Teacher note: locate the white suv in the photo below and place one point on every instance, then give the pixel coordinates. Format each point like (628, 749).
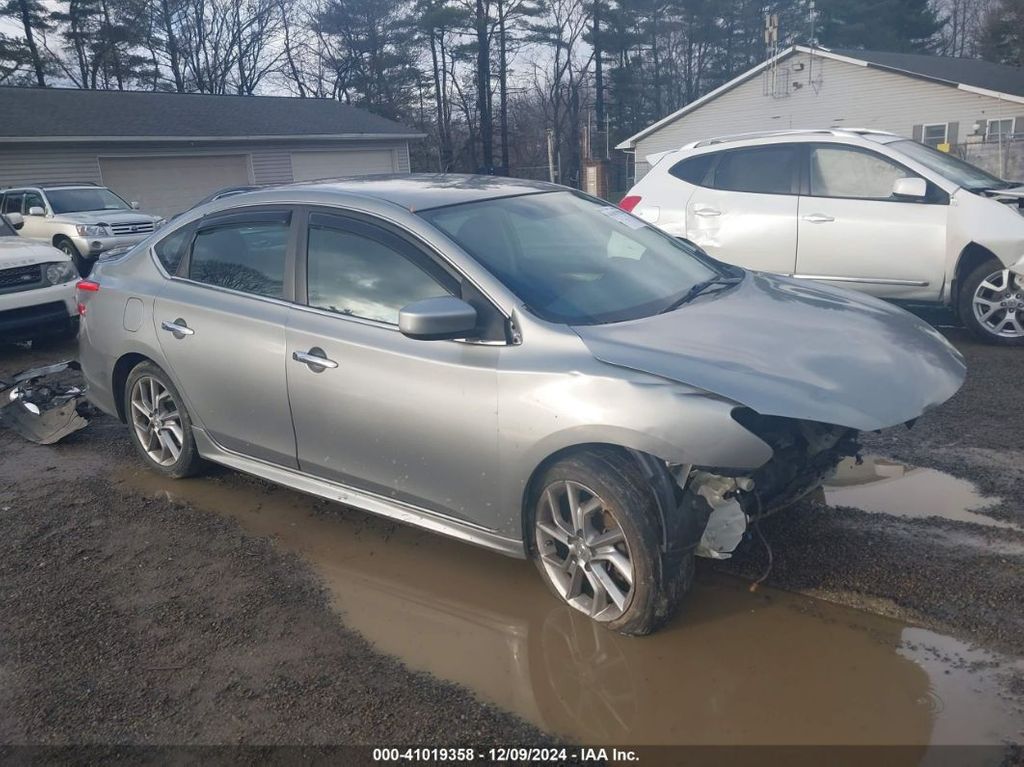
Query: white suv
(83, 220)
(856, 208)
(37, 287)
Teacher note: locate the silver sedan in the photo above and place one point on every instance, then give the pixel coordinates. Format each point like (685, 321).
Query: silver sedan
(514, 364)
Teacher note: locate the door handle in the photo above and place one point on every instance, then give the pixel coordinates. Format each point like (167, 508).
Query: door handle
(316, 359)
(705, 210)
(818, 218)
(178, 327)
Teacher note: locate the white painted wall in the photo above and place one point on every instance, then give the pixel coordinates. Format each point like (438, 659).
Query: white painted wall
(848, 95)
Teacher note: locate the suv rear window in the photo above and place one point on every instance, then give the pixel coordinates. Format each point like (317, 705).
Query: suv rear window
(762, 170)
(694, 170)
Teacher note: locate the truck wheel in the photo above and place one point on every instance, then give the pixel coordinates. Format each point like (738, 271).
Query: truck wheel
(160, 427)
(991, 304)
(595, 540)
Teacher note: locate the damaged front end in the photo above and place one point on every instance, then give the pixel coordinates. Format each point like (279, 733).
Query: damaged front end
(44, 405)
(805, 454)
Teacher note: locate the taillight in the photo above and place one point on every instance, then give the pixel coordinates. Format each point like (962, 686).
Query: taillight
(85, 286)
(629, 202)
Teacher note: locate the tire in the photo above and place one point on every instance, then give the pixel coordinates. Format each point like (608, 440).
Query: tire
(991, 286)
(81, 264)
(164, 448)
(619, 547)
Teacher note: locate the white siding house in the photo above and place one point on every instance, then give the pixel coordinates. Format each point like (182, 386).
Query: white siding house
(805, 88)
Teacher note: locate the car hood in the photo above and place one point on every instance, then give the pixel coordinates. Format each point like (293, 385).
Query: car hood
(17, 251)
(106, 217)
(790, 348)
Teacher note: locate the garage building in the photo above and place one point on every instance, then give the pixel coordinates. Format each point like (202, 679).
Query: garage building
(169, 150)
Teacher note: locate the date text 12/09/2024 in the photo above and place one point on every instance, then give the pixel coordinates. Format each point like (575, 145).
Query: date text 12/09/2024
(499, 754)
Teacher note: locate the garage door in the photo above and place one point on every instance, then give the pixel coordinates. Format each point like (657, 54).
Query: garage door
(308, 166)
(169, 185)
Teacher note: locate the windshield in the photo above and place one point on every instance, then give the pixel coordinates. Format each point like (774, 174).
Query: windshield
(573, 260)
(6, 230)
(76, 200)
(952, 168)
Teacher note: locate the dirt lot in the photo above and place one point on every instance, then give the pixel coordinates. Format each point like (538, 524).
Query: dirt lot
(225, 610)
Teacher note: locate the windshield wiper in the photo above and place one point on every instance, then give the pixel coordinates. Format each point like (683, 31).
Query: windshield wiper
(717, 281)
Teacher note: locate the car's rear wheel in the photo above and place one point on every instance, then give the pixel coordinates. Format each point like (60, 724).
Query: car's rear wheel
(595, 541)
(81, 264)
(992, 304)
(161, 429)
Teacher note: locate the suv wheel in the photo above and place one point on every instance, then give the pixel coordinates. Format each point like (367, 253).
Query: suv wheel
(67, 246)
(992, 304)
(161, 429)
(595, 541)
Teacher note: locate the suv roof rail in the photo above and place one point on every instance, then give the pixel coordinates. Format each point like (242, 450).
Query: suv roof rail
(792, 132)
(55, 184)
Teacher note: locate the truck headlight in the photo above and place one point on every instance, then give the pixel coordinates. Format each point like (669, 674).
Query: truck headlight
(91, 230)
(61, 272)
(159, 222)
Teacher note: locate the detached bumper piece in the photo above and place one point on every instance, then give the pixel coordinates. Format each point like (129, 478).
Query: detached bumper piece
(42, 405)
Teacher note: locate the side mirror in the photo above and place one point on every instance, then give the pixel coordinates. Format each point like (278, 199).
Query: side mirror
(16, 220)
(35, 210)
(437, 319)
(909, 187)
(134, 204)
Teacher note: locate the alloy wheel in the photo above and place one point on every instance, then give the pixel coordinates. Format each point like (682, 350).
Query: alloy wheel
(583, 550)
(998, 304)
(157, 421)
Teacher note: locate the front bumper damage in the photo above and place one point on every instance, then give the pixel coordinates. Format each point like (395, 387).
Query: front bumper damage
(44, 405)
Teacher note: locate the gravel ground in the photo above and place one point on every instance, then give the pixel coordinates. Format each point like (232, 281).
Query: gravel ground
(131, 620)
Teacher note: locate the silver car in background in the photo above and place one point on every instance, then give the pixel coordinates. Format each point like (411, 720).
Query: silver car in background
(510, 363)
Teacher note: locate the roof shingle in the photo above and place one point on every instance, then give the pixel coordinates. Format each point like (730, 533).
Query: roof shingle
(53, 113)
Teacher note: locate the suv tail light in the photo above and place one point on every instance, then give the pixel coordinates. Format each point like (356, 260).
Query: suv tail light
(629, 202)
(85, 286)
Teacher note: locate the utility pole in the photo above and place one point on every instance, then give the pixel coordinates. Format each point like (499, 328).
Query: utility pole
(551, 155)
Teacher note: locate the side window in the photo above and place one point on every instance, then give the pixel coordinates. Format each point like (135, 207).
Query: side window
(33, 200)
(171, 249)
(12, 202)
(694, 170)
(352, 271)
(762, 170)
(844, 172)
(248, 256)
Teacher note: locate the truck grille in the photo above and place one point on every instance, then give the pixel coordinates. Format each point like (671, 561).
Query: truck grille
(139, 227)
(20, 278)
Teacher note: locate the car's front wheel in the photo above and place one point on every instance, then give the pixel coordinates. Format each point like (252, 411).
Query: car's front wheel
(161, 429)
(81, 264)
(992, 304)
(596, 543)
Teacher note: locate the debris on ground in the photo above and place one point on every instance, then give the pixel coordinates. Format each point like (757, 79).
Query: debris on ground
(42, 405)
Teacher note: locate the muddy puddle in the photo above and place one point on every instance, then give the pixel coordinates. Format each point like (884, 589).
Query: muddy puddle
(881, 486)
(737, 667)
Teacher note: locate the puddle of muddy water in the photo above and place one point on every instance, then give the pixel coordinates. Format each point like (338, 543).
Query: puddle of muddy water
(881, 486)
(736, 667)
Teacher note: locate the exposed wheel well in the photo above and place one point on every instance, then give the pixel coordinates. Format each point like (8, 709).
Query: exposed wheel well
(57, 238)
(662, 485)
(122, 368)
(971, 257)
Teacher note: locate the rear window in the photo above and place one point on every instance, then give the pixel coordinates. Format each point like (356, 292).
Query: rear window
(762, 170)
(694, 170)
(171, 249)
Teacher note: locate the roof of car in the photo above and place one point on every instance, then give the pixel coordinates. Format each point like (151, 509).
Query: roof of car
(54, 114)
(422, 191)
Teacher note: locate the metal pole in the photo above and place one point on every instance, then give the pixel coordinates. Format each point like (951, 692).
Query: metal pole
(551, 155)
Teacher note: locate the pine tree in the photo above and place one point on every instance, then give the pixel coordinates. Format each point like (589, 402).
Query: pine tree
(880, 25)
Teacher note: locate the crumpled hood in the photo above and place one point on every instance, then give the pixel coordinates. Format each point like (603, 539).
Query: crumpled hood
(18, 251)
(790, 348)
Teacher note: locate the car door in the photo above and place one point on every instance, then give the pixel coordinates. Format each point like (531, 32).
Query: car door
(745, 210)
(221, 325)
(410, 420)
(854, 232)
(36, 227)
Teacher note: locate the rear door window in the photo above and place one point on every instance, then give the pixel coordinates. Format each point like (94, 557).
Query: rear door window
(761, 170)
(244, 253)
(12, 202)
